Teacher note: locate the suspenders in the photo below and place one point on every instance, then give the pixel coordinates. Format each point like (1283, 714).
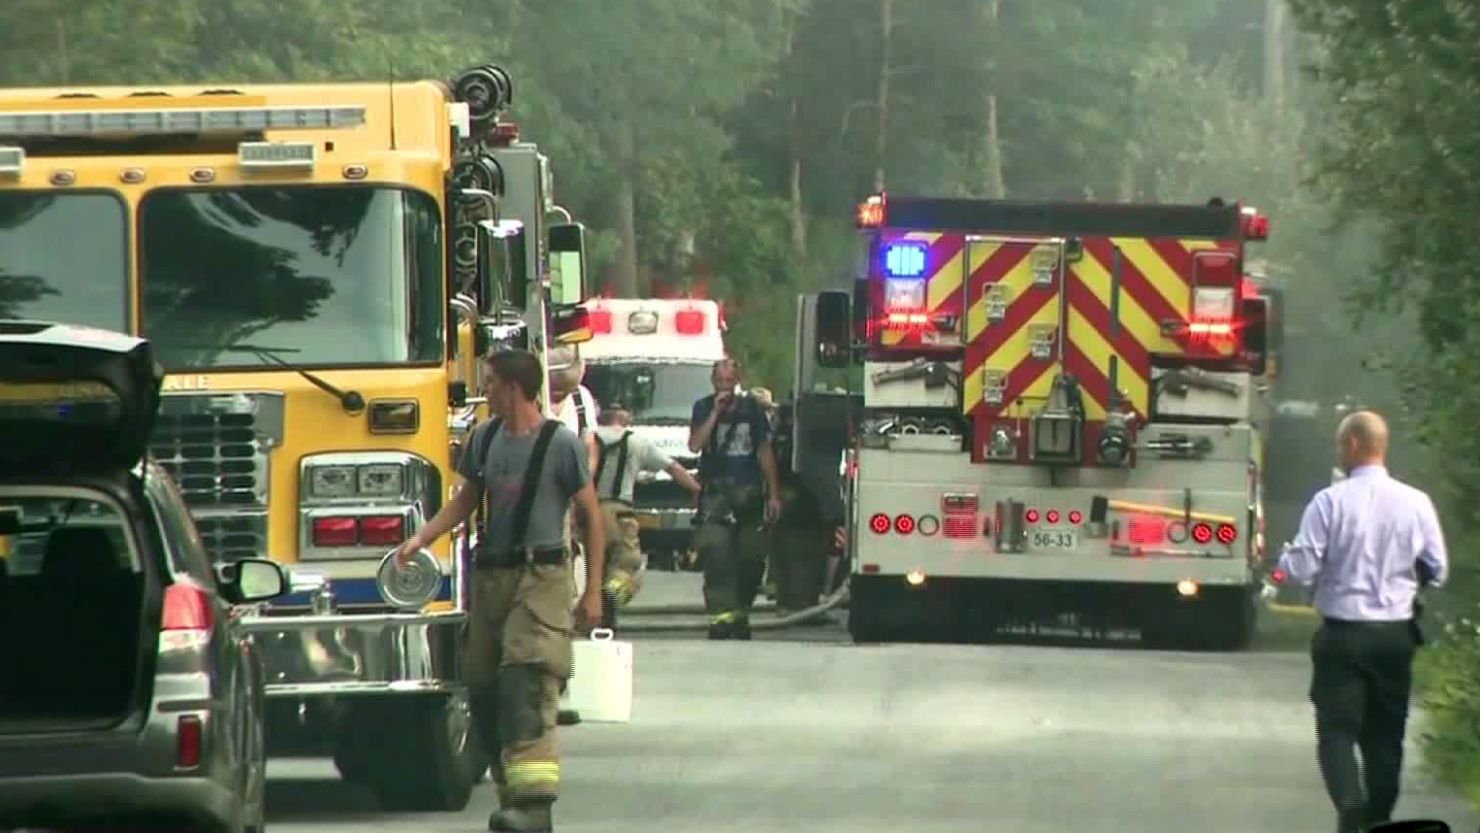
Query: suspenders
(601, 457)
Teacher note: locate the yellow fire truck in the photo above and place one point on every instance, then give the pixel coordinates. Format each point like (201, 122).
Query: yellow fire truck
(318, 267)
(1061, 421)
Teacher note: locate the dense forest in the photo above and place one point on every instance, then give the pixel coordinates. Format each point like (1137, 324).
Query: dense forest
(721, 147)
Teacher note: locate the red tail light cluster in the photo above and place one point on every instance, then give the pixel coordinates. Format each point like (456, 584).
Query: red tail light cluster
(1227, 533)
(880, 523)
(368, 530)
(904, 524)
(1202, 533)
(187, 607)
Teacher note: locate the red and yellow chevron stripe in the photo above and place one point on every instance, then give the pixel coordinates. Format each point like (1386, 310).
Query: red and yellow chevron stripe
(1156, 286)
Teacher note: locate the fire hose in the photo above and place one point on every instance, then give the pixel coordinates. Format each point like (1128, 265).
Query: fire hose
(625, 623)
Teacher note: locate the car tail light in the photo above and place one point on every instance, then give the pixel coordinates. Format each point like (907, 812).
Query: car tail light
(382, 530)
(879, 523)
(689, 322)
(1075, 516)
(187, 607)
(189, 736)
(1052, 516)
(904, 524)
(335, 532)
(1202, 533)
(1227, 533)
(1031, 516)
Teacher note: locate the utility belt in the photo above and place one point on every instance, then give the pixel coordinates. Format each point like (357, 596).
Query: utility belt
(623, 508)
(544, 556)
(731, 503)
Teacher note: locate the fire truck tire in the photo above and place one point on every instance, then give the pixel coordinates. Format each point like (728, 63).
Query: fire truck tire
(426, 755)
(1231, 620)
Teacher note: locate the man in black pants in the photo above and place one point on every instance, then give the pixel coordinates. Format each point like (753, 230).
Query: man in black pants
(1367, 543)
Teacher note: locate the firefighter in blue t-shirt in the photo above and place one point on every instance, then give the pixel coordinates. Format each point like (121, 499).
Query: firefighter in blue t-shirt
(737, 469)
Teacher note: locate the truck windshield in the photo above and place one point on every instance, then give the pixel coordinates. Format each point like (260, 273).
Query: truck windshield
(668, 398)
(64, 257)
(339, 276)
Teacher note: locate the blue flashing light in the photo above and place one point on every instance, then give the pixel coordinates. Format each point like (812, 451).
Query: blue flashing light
(905, 260)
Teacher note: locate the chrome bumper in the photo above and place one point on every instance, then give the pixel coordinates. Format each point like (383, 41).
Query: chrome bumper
(357, 654)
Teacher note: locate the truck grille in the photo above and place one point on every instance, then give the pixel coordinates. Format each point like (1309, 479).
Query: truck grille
(233, 537)
(216, 447)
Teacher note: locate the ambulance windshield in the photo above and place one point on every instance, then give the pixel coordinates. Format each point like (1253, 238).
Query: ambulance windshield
(656, 393)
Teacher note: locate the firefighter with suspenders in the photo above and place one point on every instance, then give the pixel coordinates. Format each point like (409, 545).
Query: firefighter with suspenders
(620, 456)
(526, 470)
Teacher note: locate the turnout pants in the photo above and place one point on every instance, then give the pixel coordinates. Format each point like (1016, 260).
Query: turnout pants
(1360, 683)
(516, 658)
(623, 557)
(732, 541)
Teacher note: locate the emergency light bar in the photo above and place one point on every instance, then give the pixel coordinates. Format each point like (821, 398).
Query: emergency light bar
(871, 212)
(276, 155)
(12, 160)
(1255, 225)
(642, 322)
(22, 124)
(904, 260)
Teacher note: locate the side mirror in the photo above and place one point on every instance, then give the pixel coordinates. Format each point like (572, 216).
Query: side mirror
(501, 279)
(567, 264)
(570, 325)
(1255, 317)
(253, 580)
(833, 325)
(457, 393)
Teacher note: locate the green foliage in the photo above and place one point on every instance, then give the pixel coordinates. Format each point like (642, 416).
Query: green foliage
(1448, 674)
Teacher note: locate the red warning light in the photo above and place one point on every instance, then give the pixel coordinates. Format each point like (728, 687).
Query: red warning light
(1031, 516)
(1052, 516)
(879, 523)
(1278, 576)
(1075, 516)
(1227, 533)
(904, 524)
(1202, 533)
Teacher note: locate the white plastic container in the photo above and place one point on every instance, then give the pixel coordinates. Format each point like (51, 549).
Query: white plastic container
(601, 688)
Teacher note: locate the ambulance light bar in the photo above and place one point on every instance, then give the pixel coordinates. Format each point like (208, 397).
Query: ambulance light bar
(11, 161)
(22, 124)
(256, 156)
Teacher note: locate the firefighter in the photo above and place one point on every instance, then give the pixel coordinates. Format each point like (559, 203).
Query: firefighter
(741, 496)
(621, 454)
(527, 470)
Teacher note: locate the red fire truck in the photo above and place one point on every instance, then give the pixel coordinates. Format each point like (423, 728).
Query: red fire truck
(1061, 422)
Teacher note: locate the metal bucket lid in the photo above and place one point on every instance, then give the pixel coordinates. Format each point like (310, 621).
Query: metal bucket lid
(409, 586)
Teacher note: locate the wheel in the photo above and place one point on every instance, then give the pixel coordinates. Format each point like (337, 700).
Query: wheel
(1230, 618)
(865, 618)
(426, 756)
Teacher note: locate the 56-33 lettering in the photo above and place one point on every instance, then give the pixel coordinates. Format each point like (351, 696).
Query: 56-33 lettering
(1053, 539)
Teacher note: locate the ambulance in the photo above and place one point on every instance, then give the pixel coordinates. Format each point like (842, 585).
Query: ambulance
(654, 355)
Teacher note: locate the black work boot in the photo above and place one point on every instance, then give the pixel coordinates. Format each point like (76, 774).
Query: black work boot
(740, 630)
(524, 816)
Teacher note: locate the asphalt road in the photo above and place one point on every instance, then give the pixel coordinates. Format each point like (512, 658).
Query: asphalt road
(815, 734)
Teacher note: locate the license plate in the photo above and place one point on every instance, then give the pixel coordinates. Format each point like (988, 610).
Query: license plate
(1055, 539)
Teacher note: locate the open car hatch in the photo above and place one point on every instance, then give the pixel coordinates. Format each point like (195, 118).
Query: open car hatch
(74, 398)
